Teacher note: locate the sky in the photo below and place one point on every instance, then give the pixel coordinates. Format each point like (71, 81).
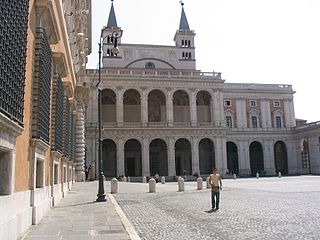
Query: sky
(248, 41)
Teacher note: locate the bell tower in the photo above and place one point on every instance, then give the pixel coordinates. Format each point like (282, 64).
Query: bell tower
(108, 33)
(184, 39)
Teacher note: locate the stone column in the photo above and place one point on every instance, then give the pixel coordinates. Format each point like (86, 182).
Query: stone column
(289, 113)
(195, 156)
(193, 108)
(294, 157)
(220, 154)
(80, 143)
(266, 113)
(268, 156)
(119, 107)
(314, 154)
(169, 107)
(144, 108)
(145, 158)
(120, 157)
(239, 113)
(244, 158)
(171, 158)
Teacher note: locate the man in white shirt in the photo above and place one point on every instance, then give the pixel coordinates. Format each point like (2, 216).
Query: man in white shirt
(216, 186)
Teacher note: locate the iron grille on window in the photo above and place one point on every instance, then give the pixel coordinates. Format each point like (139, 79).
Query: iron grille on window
(57, 114)
(13, 43)
(41, 87)
(67, 126)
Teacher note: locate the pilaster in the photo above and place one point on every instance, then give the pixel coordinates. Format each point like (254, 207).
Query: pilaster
(169, 105)
(195, 156)
(119, 107)
(145, 158)
(120, 157)
(171, 158)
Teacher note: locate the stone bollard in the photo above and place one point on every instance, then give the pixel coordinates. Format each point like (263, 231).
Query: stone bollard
(207, 182)
(144, 179)
(124, 179)
(152, 185)
(163, 180)
(199, 183)
(128, 179)
(234, 176)
(180, 184)
(257, 175)
(114, 185)
(279, 174)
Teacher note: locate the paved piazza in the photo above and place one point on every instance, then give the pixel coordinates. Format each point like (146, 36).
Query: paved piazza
(265, 208)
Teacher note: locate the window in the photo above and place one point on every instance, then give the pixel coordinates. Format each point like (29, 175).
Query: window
(276, 103)
(150, 65)
(278, 122)
(6, 172)
(254, 122)
(253, 103)
(40, 174)
(64, 174)
(229, 121)
(227, 103)
(56, 174)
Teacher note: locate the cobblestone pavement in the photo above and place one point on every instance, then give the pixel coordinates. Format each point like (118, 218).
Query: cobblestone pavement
(265, 208)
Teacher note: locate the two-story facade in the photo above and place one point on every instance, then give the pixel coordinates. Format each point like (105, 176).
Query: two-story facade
(162, 115)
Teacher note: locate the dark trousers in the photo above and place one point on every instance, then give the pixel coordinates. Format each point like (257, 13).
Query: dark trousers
(215, 199)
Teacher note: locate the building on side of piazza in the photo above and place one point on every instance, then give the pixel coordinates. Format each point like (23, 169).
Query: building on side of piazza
(162, 115)
(43, 51)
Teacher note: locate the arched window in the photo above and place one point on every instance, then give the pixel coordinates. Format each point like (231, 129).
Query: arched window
(150, 65)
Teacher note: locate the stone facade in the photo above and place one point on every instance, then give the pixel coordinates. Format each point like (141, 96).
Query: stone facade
(162, 115)
(42, 62)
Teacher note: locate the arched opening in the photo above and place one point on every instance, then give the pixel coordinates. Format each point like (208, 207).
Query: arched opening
(183, 157)
(109, 158)
(158, 157)
(206, 156)
(232, 158)
(132, 158)
(131, 106)
(304, 149)
(108, 105)
(181, 109)
(157, 106)
(256, 158)
(204, 106)
(280, 157)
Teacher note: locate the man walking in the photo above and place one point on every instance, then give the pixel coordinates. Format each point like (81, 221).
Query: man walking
(216, 186)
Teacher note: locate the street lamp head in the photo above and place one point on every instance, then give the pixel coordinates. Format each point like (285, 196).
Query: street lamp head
(115, 50)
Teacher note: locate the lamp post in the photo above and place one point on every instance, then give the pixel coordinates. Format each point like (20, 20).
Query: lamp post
(101, 196)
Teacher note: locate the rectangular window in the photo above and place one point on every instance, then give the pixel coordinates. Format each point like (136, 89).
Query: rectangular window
(5, 172)
(278, 122)
(64, 174)
(40, 174)
(227, 103)
(254, 122)
(276, 103)
(56, 174)
(229, 121)
(253, 103)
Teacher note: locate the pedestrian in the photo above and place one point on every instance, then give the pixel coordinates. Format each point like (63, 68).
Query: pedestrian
(91, 173)
(216, 186)
(86, 172)
(156, 177)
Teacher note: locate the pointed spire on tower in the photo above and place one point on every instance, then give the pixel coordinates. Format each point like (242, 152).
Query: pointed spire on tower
(112, 21)
(184, 26)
